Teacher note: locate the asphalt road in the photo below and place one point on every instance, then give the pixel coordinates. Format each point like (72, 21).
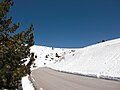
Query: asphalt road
(48, 79)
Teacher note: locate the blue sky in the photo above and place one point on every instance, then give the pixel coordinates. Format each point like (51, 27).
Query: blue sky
(69, 23)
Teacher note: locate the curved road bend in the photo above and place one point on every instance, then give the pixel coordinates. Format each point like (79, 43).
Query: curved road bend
(48, 79)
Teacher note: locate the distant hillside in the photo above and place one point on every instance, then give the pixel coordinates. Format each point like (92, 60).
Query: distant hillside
(99, 59)
(48, 55)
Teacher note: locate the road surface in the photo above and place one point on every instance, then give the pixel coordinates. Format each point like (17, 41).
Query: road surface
(48, 79)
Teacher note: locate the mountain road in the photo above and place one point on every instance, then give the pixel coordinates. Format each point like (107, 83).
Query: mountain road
(48, 79)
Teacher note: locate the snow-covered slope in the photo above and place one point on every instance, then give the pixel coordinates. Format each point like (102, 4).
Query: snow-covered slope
(47, 55)
(99, 59)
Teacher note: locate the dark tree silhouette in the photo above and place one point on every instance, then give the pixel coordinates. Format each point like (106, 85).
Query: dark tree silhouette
(14, 49)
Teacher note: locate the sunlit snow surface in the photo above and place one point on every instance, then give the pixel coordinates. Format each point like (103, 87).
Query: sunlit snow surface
(99, 59)
(26, 83)
(102, 59)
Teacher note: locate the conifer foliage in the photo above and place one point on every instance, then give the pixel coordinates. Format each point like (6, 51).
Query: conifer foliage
(14, 49)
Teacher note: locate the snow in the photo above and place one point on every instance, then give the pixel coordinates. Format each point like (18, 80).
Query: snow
(41, 52)
(101, 60)
(98, 59)
(41, 61)
(26, 84)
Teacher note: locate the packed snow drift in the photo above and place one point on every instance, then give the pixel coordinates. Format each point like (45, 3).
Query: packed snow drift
(102, 59)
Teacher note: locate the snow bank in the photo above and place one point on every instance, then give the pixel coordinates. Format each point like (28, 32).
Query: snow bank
(26, 83)
(101, 60)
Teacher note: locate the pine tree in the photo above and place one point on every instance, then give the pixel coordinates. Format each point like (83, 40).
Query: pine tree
(14, 49)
